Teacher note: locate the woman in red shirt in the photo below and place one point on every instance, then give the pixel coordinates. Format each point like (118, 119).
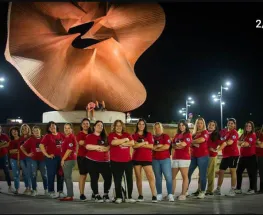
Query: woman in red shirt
(259, 153)
(51, 148)
(98, 160)
(68, 160)
(181, 156)
(31, 149)
(142, 158)
(248, 159)
(85, 129)
(161, 161)
(200, 155)
(120, 159)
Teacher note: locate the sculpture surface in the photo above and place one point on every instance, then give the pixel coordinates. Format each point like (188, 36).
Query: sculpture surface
(67, 78)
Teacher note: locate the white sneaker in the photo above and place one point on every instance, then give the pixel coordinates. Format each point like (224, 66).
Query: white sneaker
(11, 190)
(34, 193)
(217, 192)
(249, 192)
(53, 195)
(201, 195)
(238, 191)
(27, 192)
(159, 197)
(182, 197)
(46, 193)
(130, 200)
(231, 192)
(187, 194)
(62, 195)
(171, 198)
(118, 201)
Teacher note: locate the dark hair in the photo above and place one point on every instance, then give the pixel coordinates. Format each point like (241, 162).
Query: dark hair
(215, 134)
(49, 124)
(184, 122)
(115, 124)
(145, 130)
(10, 132)
(89, 129)
(252, 131)
(103, 134)
(232, 120)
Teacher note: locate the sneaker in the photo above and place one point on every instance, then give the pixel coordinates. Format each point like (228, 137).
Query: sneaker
(238, 191)
(118, 201)
(130, 200)
(16, 192)
(140, 199)
(46, 193)
(260, 192)
(187, 194)
(98, 199)
(209, 193)
(83, 198)
(27, 192)
(171, 198)
(201, 195)
(106, 198)
(182, 197)
(231, 193)
(217, 192)
(249, 192)
(154, 199)
(196, 193)
(159, 197)
(93, 197)
(53, 195)
(62, 195)
(66, 199)
(11, 190)
(34, 193)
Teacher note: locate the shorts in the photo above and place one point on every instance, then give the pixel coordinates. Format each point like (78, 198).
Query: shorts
(180, 163)
(229, 162)
(83, 165)
(141, 163)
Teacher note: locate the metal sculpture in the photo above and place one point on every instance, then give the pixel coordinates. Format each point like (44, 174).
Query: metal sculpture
(66, 78)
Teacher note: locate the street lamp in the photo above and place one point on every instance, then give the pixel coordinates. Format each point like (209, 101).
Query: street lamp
(187, 104)
(219, 97)
(2, 86)
(2, 79)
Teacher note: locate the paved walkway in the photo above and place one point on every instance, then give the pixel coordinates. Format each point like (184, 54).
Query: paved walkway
(241, 204)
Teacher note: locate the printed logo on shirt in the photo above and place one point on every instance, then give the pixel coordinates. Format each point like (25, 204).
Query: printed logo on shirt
(156, 142)
(58, 143)
(70, 145)
(234, 137)
(22, 142)
(188, 139)
(250, 139)
(37, 147)
(206, 135)
(169, 141)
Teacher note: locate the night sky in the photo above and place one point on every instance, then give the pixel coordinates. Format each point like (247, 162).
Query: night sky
(203, 46)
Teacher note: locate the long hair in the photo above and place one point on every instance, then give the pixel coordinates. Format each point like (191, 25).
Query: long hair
(113, 129)
(145, 130)
(10, 132)
(89, 129)
(184, 122)
(29, 130)
(195, 126)
(154, 129)
(49, 124)
(214, 136)
(252, 130)
(103, 134)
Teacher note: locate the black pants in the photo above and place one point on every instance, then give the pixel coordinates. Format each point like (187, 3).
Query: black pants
(97, 168)
(4, 164)
(249, 163)
(118, 169)
(260, 170)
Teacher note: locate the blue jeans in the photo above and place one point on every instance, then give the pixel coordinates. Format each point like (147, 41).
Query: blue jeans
(53, 166)
(5, 166)
(26, 170)
(202, 164)
(41, 165)
(16, 173)
(163, 167)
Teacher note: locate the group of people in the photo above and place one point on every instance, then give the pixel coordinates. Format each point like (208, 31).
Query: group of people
(116, 155)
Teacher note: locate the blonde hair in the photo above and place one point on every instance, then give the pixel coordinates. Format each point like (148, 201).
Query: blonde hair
(113, 127)
(28, 128)
(154, 129)
(195, 126)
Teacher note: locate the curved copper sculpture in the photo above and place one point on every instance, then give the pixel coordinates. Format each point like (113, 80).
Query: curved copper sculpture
(67, 78)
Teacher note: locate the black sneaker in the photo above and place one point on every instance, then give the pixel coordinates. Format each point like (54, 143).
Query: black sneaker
(83, 198)
(16, 192)
(106, 198)
(209, 193)
(92, 196)
(196, 193)
(154, 199)
(98, 199)
(260, 192)
(140, 199)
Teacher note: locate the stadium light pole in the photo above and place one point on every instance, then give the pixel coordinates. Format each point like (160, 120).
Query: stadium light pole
(187, 104)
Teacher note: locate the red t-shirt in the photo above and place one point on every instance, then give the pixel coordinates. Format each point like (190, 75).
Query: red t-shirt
(202, 150)
(32, 146)
(53, 143)
(184, 153)
(4, 138)
(231, 150)
(93, 139)
(82, 151)
(163, 139)
(214, 145)
(142, 154)
(22, 141)
(251, 138)
(259, 151)
(69, 143)
(14, 144)
(119, 153)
